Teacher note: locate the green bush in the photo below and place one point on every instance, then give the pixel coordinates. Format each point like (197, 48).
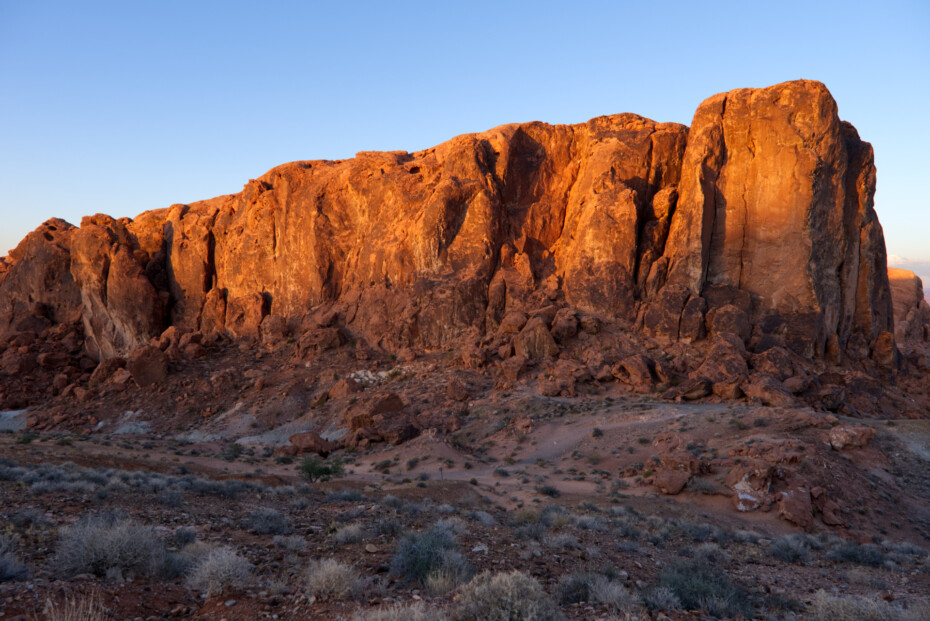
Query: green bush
(314, 468)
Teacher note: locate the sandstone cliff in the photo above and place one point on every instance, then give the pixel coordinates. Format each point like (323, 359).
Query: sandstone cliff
(760, 216)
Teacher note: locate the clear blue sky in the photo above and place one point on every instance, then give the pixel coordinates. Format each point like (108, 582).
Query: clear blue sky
(121, 107)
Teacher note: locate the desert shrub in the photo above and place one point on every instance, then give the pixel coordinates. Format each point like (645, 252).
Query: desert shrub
(530, 531)
(220, 569)
(611, 593)
(791, 548)
(453, 571)
(416, 611)
(905, 547)
(293, 543)
(852, 552)
(549, 490)
(167, 497)
(350, 533)
(315, 469)
(330, 579)
(661, 598)
(75, 608)
(185, 535)
(109, 543)
(454, 525)
(710, 553)
(421, 554)
(527, 515)
(554, 516)
(230, 488)
(590, 522)
(445, 508)
(30, 516)
(511, 596)
(702, 532)
(392, 501)
(575, 588)
(826, 607)
(388, 527)
(345, 495)
(701, 586)
(11, 570)
(588, 587)
(268, 522)
(484, 518)
(562, 541)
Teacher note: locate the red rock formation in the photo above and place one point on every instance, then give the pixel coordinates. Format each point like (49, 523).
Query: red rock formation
(757, 224)
(911, 311)
(775, 200)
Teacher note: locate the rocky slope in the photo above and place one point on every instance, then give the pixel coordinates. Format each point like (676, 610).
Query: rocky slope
(751, 232)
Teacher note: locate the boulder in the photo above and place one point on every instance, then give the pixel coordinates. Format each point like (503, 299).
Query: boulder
(750, 481)
(105, 370)
(670, 482)
(689, 390)
(775, 361)
(794, 506)
(535, 341)
(768, 390)
(844, 437)
(273, 329)
(724, 362)
(244, 315)
(564, 325)
(311, 442)
(729, 319)
(148, 365)
(343, 388)
(636, 371)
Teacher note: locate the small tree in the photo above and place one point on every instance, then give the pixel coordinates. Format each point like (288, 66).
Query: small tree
(314, 468)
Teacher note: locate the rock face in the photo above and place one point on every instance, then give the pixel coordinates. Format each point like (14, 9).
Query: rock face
(757, 222)
(911, 311)
(775, 200)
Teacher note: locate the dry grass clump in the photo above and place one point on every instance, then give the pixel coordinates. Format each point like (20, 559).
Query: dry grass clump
(218, 570)
(506, 596)
(416, 611)
(75, 608)
(350, 533)
(826, 607)
(330, 579)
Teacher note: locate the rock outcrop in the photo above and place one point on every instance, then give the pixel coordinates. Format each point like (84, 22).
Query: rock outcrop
(776, 201)
(756, 224)
(911, 311)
